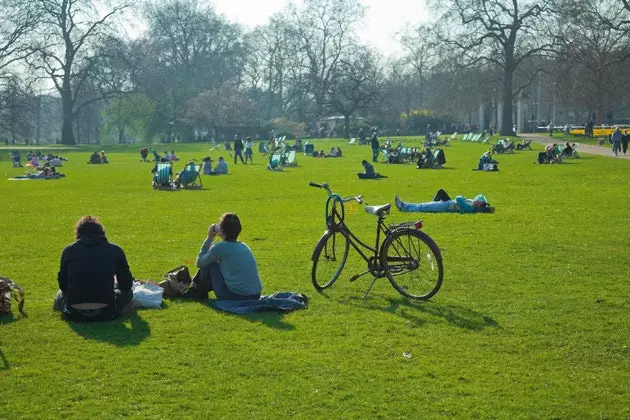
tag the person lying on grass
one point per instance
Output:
(94, 277)
(228, 267)
(442, 203)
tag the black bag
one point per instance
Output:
(9, 290)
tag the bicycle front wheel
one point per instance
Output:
(412, 263)
(329, 258)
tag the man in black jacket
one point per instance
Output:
(238, 149)
(94, 278)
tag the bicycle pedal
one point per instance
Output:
(355, 277)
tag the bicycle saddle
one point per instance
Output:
(378, 210)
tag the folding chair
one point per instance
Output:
(189, 177)
(262, 148)
(352, 140)
(289, 159)
(163, 176)
(275, 160)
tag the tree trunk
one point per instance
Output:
(506, 96)
(67, 135)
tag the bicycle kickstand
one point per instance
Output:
(370, 288)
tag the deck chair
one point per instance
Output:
(275, 160)
(163, 176)
(439, 158)
(289, 159)
(352, 141)
(189, 177)
(309, 149)
(465, 137)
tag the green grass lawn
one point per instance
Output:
(532, 320)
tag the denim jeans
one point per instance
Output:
(210, 279)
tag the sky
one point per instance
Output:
(384, 18)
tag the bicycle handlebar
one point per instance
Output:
(358, 198)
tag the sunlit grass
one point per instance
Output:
(532, 319)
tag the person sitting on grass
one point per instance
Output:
(228, 267)
(95, 158)
(487, 163)
(103, 157)
(174, 157)
(144, 153)
(442, 203)
(221, 168)
(95, 283)
(425, 160)
(207, 165)
(369, 171)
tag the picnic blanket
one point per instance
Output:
(281, 301)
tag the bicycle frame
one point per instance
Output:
(355, 241)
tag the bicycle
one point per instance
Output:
(408, 257)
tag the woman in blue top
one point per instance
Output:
(442, 203)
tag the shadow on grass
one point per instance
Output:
(4, 363)
(118, 332)
(271, 319)
(410, 310)
(7, 319)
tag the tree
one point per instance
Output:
(355, 84)
(498, 33)
(324, 31)
(593, 55)
(15, 110)
(129, 112)
(66, 48)
(18, 19)
(220, 108)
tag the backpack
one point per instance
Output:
(8, 288)
(176, 281)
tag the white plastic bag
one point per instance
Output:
(148, 296)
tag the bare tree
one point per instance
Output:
(66, 49)
(501, 33)
(324, 30)
(17, 19)
(355, 85)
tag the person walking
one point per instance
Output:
(616, 140)
(624, 141)
(238, 149)
(375, 146)
(249, 150)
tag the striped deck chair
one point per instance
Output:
(163, 176)
(189, 177)
(275, 160)
(289, 159)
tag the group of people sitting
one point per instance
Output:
(98, 158)
(430, 159)
(221, 168)
(36, 159)
(45, 172)
(168, 157)
(95, 281)
(555, 153)
(333, 152)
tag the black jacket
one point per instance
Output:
(87, 269)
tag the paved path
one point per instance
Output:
(583, 148)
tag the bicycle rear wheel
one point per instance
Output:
(412, 263)
(329, 258)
